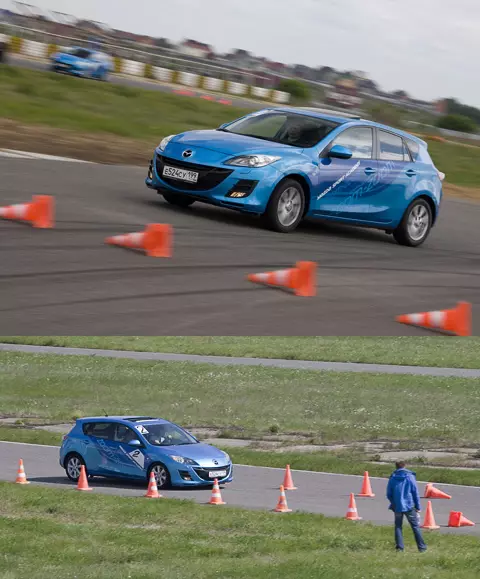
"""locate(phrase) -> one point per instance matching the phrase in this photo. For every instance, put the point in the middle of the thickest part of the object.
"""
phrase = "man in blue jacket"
(402, 492)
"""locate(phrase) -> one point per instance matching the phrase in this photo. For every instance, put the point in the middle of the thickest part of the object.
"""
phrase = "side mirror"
(223, 126)
(135, 442)
(340, 152)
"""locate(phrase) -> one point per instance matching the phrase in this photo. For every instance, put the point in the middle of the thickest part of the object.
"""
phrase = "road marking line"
(11, 153)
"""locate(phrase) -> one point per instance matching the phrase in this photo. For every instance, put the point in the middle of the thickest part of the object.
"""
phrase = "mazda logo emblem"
(215, 462)
(187, 154)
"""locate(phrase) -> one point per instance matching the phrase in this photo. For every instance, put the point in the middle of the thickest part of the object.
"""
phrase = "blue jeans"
(412, 518)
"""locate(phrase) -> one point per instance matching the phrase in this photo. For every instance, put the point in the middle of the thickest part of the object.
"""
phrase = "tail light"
(441, 175)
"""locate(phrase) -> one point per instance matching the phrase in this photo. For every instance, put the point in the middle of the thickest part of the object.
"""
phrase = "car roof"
(129, 419)
(352, 120)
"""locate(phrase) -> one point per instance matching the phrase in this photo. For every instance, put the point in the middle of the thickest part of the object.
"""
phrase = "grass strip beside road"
(422, 351)
(330, 407)
(340, 463)
(49, 532)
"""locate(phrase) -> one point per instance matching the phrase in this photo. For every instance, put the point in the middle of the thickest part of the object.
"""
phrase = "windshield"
(80, 53)
(282, 127)
(165, 435)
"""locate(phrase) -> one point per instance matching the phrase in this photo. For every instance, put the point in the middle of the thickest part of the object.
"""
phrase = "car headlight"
(183, 460)
(252, 161)
(162, 146)
(226, 456)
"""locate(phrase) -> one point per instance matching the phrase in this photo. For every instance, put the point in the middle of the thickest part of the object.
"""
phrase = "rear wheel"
(286, 206)
(161, 474)
(178, 199)
(73, 465)
(415, 225)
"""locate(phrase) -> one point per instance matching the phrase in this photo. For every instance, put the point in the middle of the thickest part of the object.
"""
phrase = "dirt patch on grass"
(98, 147)
(112, 149)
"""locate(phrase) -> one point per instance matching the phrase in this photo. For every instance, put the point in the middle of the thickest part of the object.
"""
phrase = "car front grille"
(204, 472)
(208, 177)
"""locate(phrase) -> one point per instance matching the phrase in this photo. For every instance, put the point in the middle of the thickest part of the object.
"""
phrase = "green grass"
(333, 407)
(424, 351)
(348, 462)
(91, 106)
(460, 164)
(60, 533)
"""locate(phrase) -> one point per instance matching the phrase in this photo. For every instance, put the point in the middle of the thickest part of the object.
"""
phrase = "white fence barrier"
(259, 92)
(162, 74)
(36, 49)
(133, 68)
(280, 97)
(237, 88)
(188, 79)
(212, 83)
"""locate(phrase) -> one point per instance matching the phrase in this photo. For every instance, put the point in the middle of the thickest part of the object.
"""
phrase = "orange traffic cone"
(39, 212)
(457, 321)
(301, 278)
(429, 522)
(432, 493)
(216, 498)
(156, 240)
(366, 487)
(152, 491)
(282, 506)
(457, 519)
(352, 513)
(82, 481)
(288, 481)
(21, 476)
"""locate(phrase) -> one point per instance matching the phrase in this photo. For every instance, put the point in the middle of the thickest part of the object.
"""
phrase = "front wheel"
(161, 475)
(415, 225)
(286, 207)
(178, 200)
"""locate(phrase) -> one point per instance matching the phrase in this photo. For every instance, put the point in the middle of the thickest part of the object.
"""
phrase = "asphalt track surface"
(66, 281)
(227, 361)
(253, 488)
(135, 82)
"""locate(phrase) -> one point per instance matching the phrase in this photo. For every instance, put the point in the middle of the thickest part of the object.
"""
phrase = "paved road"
(227, 360)
(253, 488)
(66, 281)
(124, 80)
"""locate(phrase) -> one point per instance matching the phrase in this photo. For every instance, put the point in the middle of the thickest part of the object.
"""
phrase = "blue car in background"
(83, 62)
(286, 164)
(133, 447)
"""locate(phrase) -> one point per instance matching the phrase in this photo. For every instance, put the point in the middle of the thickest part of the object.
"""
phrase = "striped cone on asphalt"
(457, 321)
(152, 491)
(366, 487)
(21, 476)
(352, 513)
(39, 212)
(300, 279)
(156, 240)
(216, 498)
(457, 519)
(83, 481)
(282, 506)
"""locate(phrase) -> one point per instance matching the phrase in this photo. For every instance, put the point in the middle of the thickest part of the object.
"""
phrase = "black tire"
(403, 234)
(164, 483)
(70, 458)
(178, 199)
(271, 215)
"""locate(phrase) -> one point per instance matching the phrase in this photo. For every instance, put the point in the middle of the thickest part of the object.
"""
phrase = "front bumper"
(261, 181)
(68, 69)
(186, 475)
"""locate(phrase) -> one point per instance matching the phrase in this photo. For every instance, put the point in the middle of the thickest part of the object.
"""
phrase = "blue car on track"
(82, 62)
(134, 446)
(286, 164)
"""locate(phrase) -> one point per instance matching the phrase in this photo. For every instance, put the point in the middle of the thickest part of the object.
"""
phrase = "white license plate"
(217, 474)
(180, 174)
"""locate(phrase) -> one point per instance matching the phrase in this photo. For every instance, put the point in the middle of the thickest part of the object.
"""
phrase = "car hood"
(67, 58)
(231, 144)
(196, 452)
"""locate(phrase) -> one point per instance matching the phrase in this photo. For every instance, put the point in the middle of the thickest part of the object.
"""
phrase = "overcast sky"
(429, 48)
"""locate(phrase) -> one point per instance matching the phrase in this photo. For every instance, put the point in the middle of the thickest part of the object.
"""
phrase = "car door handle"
(411, 173)
(369, 171)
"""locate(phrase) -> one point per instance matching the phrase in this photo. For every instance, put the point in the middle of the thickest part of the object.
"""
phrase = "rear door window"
(103, 430)
(359, 140)
(391, 147)
(414, 148)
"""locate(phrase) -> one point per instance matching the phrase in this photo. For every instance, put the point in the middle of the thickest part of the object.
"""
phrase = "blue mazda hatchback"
(133, 447)
(286, 164)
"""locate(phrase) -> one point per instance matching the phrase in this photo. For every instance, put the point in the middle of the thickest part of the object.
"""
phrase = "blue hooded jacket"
(402, 491)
